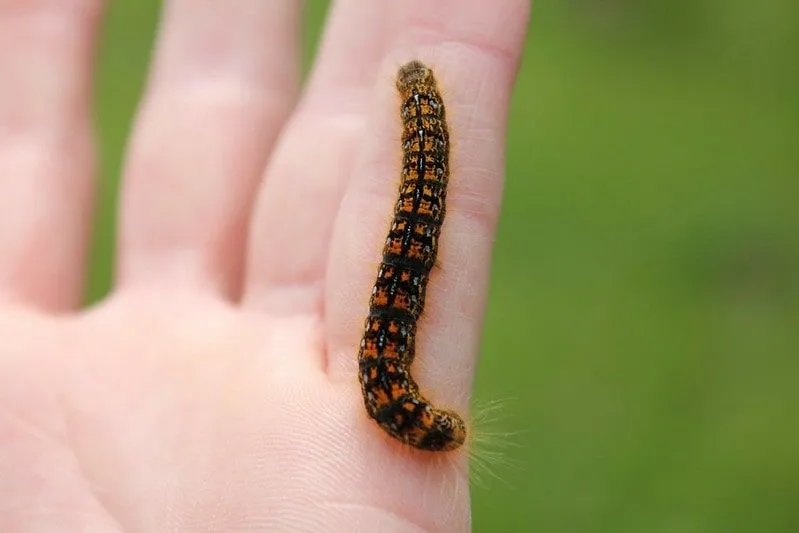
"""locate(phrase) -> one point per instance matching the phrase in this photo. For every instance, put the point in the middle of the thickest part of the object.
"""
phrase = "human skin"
(215, 388)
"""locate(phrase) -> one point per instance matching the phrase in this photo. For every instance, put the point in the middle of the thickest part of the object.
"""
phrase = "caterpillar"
(391, 395)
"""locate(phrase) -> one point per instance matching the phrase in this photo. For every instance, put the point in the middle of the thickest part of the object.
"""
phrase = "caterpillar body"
(387, 350)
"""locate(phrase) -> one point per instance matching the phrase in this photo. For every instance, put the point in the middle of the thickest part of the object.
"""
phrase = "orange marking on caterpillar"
(390, 393)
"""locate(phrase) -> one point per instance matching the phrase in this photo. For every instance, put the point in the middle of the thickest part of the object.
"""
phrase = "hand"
(216, 389)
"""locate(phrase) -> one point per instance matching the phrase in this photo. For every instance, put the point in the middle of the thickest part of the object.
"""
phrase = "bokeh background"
(643, 327)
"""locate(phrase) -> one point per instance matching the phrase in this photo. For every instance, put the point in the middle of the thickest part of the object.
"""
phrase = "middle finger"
(306, 178)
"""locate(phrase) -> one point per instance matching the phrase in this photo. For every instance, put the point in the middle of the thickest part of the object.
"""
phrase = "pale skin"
(215, 388)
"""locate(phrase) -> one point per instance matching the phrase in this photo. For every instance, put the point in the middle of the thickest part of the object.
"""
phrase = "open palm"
(216, 388)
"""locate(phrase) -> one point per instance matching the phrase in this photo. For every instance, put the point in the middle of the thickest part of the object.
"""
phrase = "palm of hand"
(146, 415)
(216, 388)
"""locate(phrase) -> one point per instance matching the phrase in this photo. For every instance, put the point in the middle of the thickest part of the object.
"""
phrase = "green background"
(643, 327)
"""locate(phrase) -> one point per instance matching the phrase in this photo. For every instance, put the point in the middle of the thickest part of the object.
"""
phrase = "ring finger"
(224, 79)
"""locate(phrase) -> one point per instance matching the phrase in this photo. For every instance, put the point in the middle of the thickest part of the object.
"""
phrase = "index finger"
(474, 55)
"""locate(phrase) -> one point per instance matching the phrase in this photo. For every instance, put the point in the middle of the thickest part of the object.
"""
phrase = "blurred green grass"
(643, 324)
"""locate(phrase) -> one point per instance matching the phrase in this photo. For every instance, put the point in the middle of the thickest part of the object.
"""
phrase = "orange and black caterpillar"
(391, 395)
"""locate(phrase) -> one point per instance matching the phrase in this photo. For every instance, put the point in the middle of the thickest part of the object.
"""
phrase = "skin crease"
(215, 388)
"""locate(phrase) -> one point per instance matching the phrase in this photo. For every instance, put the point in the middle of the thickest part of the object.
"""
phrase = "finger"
(224, 79)
(46, 149)
(305, 180)
(474, 54)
